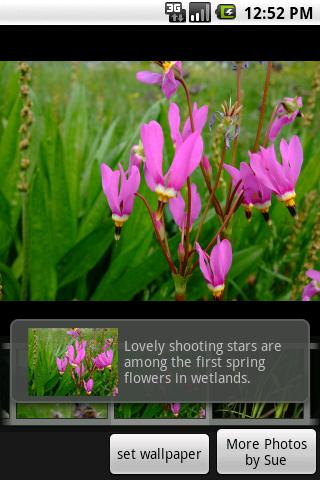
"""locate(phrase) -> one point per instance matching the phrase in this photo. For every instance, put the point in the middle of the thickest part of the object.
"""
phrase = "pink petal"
(309, 291)
(195, 204)
(149, 77)
(186, 131)
(206, 164)
(149, 179)
(176, 207)
(169, 84)
(258, 166)
(279, 123)
(70, 353)
(152, 140)
(135, 158)
(186, 160)
(234, 173)
(295, 157)
(204, 265)
(178, 66)
(313, 274)
(174, 123)
(128, 189)
(201, 118)
(220, 261)
(110, 185)
(269, 171)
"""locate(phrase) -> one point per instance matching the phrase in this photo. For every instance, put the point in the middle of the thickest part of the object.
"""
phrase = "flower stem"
(273, 116)
(183, 83)
(180, 284)
(185, 87)
(232, 196)
(226, 221)
(263, 106)
(223, 156)
(222, 227)
(236, 140)
(167, 256)
(235, 143)
(214, 199)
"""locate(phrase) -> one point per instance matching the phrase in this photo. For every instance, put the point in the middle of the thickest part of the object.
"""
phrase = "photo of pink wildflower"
(73, 362)
(158, 181)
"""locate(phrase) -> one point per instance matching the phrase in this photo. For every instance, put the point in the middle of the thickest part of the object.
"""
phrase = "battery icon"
(226, 12)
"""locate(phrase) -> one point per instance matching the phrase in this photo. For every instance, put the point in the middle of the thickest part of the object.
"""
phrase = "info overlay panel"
(160, 360)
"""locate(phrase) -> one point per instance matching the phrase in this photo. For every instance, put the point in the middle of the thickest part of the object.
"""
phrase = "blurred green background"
(86, 113)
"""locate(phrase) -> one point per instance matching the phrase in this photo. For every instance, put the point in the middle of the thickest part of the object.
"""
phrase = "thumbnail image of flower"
(73, 362)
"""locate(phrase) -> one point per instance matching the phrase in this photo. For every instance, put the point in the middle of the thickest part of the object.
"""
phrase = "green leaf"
(85, 254)
(5, 227)
(63, 224)
(9, 159)
(244, 261)
(43, 281)
(75, 132)
(10, 286)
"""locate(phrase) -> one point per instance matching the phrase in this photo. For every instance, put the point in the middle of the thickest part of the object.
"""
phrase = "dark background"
(194, 42)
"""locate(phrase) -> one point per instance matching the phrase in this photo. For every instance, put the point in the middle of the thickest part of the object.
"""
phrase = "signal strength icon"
(200, 12)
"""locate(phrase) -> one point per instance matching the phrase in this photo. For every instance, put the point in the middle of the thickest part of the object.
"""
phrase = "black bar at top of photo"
(74, 310)
(191, 42)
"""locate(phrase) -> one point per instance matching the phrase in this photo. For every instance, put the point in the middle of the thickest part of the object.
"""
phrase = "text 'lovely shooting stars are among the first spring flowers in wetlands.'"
(251, 182)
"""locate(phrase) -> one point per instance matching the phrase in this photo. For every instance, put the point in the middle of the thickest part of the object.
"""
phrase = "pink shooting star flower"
(62, 364)
(177, 208)
(255, 194)
(202, 413)
(115, 392)
(186, 159)
(215, 267)
(104, 360)
(74, 332)
(280, 178)
(206, 166)
(120, 202)
(81, 345)
(313, 288)
(108, 343)
(136, 157)
(88, 386)
(287, 112)
(199, 119)
(160, 226)
(80, 370)
(175, 409)
(167, 79)
(75, 361)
